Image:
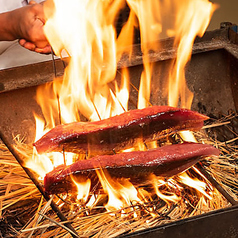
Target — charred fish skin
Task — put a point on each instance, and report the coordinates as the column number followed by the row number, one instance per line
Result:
column 165, row 161
column 119, row 132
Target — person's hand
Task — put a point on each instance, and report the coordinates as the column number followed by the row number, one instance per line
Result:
column 33, row 47
column 29, row 27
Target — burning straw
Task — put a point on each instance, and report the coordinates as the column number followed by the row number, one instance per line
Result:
column 25, row 214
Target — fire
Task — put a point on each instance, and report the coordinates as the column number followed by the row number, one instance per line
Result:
column 194, row 183
column 192, row 19
column 173, row 198
column 86, row 31
column 83, row 189
column 121, row 194
column 92, row 51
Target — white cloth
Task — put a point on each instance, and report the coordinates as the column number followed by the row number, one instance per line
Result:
column 9, row 5
column 11, row 53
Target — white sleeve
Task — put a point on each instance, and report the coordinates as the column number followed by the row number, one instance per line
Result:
column 6, row 6
column 10, row 5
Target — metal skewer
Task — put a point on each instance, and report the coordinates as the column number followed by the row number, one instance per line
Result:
column 58, row 99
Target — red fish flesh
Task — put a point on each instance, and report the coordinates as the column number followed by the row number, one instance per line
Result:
column 119, row 132
column 165, row 161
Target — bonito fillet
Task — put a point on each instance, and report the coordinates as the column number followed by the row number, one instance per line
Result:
column 165, row 161
column 119, row 132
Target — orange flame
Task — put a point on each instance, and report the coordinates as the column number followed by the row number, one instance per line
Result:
column 120, row 194
column 83, row 189
column 192, row 19
column 92, row 50
column 167, row 198
column 194, row 183
column 85, row 30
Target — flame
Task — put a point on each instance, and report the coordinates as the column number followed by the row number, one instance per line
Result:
column 121, row 194
column 42, row 164
column 85, row 29
column 192, row 19
column 187, row 136
column 92, row 50
column 83, row 189
column 195, row 183
column 158, row 183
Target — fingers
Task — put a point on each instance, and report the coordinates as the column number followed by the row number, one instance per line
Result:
column 32, row 2
column 31, row 46
column 34, row 37
column 45, row 50
column 26, row 44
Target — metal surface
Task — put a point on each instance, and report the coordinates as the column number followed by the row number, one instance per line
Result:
column 28, row 75
column 221, row 223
